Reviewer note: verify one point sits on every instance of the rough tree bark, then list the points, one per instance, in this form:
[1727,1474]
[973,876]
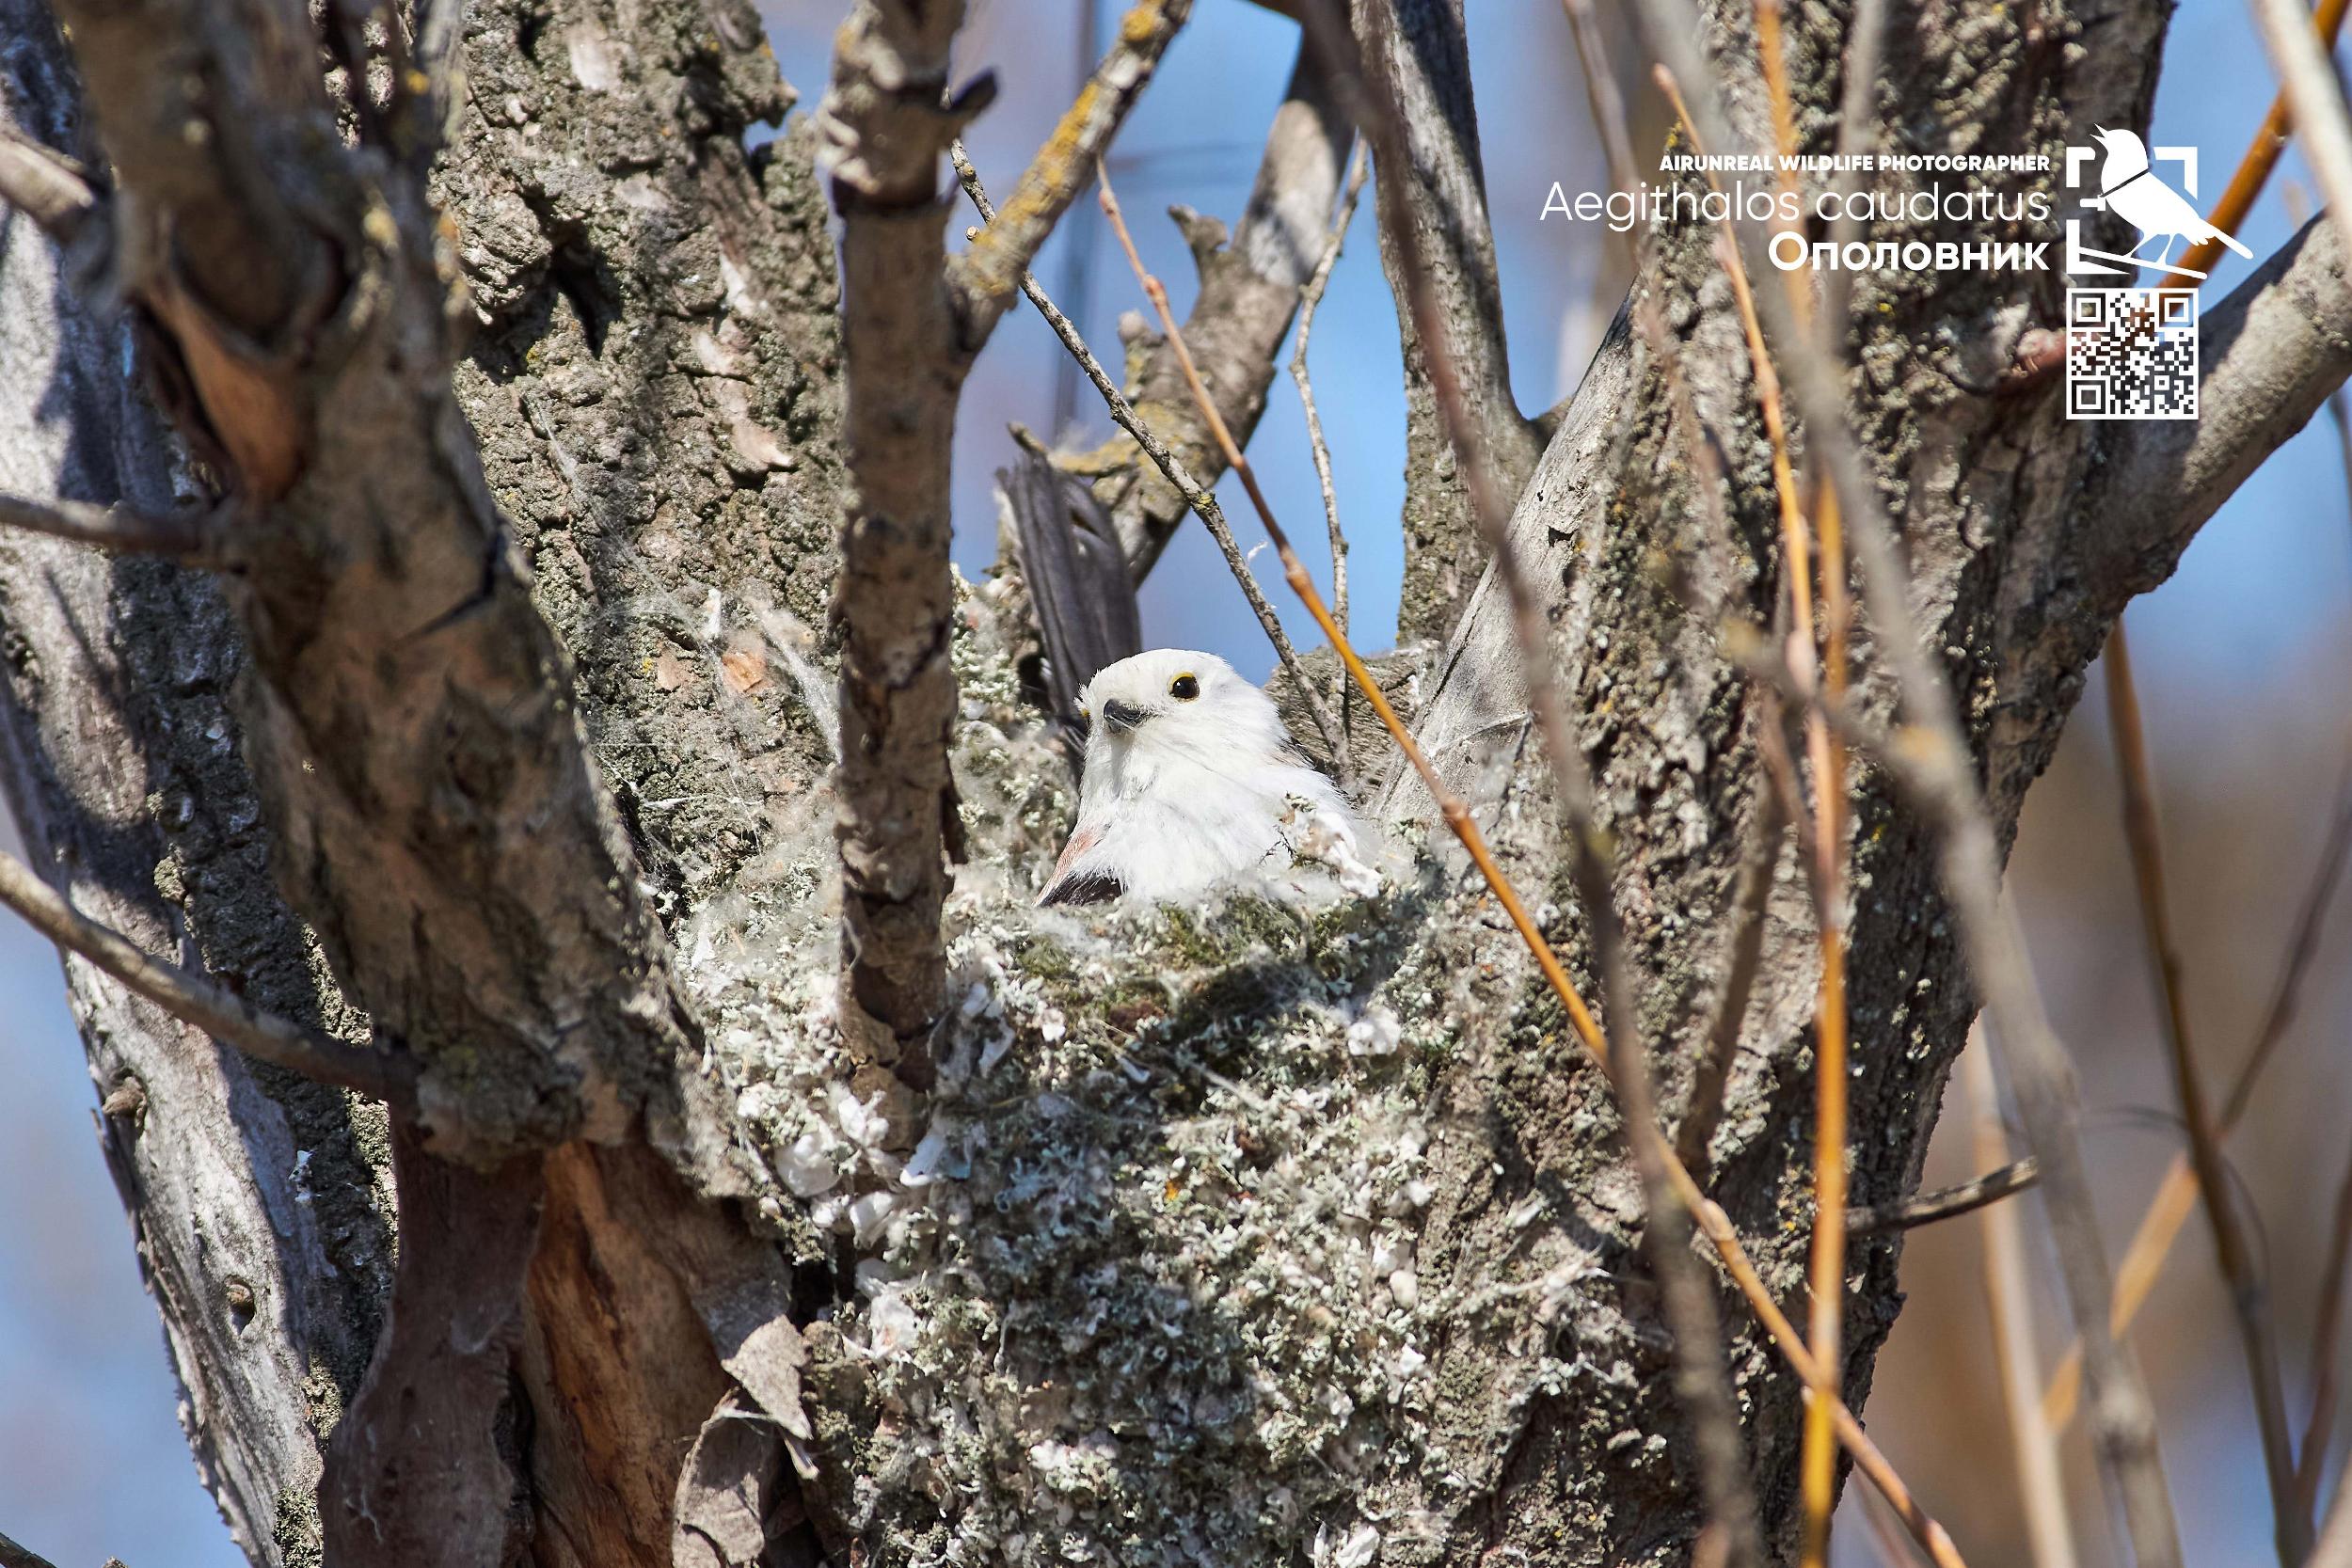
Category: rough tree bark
[1297,1226]
[1416,53]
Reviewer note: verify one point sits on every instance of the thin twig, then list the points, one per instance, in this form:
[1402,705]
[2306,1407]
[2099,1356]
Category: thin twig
[1312,296]
[2319,1430]
[1701,1381]
[191,537]
[2009,1302]
[1204,505]
[2327,1331]
[1945,1203]
[2042,1075]
[2152,1241]
[193,999]
[987,274]
[1857,127]
[1784,802]
[1712,1079]
[2315,99]
[2248,1294]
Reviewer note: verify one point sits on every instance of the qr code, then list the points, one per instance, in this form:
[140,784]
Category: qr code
[2131,354]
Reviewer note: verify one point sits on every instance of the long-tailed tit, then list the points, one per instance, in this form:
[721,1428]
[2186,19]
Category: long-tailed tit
[1190,777]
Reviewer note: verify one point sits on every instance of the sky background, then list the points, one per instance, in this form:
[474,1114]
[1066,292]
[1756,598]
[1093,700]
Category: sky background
[2243,661]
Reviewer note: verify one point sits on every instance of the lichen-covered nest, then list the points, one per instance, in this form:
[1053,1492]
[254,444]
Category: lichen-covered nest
[1155,1229]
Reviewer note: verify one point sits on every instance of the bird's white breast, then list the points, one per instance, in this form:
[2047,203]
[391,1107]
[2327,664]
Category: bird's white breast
[1173,818]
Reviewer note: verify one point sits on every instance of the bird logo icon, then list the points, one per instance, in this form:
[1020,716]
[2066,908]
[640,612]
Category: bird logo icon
[2132,190]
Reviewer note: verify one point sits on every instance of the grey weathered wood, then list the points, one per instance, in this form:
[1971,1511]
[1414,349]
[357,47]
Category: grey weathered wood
[260,1203]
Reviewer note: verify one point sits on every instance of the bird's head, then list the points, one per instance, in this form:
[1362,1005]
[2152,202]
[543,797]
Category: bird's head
[1173,695]
[2125,144]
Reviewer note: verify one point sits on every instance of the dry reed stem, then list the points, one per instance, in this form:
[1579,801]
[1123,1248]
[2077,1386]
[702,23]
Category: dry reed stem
[2009,1303]
[2160,1226]
[2253,169]
[2248,1293]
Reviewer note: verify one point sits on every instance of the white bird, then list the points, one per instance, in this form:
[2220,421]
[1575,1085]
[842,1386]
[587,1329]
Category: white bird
[2155,209]
[1190,777]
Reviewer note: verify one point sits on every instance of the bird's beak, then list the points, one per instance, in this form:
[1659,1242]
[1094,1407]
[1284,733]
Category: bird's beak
[1121,718]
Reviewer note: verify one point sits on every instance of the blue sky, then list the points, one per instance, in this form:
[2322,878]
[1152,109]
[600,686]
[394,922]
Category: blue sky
[91,1462]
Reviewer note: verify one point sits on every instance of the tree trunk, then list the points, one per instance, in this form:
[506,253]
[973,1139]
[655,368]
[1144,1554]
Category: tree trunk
[1300,1225]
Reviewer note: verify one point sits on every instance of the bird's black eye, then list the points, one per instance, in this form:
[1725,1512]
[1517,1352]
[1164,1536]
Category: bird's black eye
[1184,687]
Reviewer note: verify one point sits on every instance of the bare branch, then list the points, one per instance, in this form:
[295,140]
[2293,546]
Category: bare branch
[393,616]
[1248,292]
[221,1013]
[2008,1298]
[2249,1293]
[1711,1218]
[190,537]
[2272,352]
[986,275]
[2255,164]
[1945,1203]
[1858,120]
[1712,1079]
[14,1556]
[1671,1196]
[1324,722]
[2307,83]
[1317,447]
[905,358]
[1223,534]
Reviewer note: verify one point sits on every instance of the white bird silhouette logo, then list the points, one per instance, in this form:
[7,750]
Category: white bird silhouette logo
[2129,189]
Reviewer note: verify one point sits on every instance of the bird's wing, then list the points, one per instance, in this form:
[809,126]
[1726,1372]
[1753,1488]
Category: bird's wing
[1077,580]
